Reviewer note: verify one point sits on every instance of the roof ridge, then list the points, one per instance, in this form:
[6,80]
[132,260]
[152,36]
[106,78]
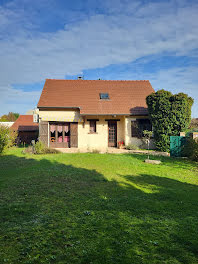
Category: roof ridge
[26,115]
[98,80]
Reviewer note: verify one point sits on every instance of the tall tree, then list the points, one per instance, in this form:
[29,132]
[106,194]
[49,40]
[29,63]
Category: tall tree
[10,117]
[170,114]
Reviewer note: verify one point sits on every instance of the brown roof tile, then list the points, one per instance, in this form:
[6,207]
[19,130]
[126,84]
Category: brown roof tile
[25,123]
[126,97]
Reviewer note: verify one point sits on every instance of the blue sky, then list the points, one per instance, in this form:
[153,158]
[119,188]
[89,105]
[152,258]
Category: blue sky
[111,39]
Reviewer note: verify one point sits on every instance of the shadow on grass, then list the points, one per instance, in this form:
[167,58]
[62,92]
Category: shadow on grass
[183,163]
[56,213]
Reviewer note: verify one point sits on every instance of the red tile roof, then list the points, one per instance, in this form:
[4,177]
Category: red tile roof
[126,97]
[25,123]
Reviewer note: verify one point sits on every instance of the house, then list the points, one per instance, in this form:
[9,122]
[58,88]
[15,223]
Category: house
[93,114]
[6,124]
[26,128]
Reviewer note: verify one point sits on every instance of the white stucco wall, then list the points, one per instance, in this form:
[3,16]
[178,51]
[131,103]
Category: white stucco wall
[7,124]
[98,140]
[58,115]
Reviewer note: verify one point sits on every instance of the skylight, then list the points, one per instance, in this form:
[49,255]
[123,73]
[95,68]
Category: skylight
[104,96]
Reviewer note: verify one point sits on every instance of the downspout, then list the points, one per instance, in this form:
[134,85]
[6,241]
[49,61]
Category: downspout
[48,134]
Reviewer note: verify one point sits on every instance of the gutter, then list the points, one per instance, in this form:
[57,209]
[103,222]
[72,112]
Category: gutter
[70,107]
[77,107]
[115,114]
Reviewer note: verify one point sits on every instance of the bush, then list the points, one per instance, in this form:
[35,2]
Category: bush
[29,150]
[132,147]
[40,148]
[12,138]
[191,149]
[7,138]
[170,114]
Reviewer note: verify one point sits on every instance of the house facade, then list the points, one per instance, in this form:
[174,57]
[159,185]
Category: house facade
[93,114]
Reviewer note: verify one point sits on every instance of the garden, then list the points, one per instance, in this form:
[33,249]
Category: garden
[97,208]
[102,208]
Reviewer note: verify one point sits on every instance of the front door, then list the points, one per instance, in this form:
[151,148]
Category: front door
[112,126]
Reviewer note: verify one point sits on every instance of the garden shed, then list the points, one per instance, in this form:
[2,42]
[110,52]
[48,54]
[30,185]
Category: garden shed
[26,128]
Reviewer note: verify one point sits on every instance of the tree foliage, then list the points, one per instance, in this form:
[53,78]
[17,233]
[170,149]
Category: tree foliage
[191,149]
[170,114]
[10,117]
[194,124]
[7,138]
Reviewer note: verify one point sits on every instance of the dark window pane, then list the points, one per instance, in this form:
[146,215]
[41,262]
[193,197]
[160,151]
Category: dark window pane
[138,126]
[134,129]
[60,136]
[92,126]
[53,136]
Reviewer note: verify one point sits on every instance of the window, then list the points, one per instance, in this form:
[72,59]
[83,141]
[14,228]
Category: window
[52,133]
[138,126]
[104,96]
[66,129]
[92,126]
[59,132]
[134,129]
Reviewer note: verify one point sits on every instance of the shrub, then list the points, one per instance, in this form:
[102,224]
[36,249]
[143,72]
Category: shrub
[190,149]
[40,148]
[7,138]
[170,114]
[29,150]
[132,147]
[12,138]
[194,124]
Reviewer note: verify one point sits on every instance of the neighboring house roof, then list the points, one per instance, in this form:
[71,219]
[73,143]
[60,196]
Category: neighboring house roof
[125,97]
[25,123]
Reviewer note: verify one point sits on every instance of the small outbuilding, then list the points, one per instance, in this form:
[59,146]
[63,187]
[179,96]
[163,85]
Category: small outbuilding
[26,128]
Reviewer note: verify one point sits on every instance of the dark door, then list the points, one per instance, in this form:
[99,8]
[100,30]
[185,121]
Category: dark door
[73,135]
[112,126]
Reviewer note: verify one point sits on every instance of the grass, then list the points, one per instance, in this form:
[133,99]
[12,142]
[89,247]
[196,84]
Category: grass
[93,208]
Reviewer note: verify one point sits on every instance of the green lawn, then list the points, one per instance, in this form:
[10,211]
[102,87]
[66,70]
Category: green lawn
[97,208]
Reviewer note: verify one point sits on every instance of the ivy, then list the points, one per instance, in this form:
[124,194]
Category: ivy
[170,114]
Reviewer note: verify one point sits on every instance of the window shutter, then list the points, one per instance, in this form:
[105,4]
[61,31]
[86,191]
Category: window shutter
[73,135]
[43,132]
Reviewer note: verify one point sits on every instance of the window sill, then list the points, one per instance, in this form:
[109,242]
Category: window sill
[93,133]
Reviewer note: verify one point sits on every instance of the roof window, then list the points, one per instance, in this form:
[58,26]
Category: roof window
[104,96]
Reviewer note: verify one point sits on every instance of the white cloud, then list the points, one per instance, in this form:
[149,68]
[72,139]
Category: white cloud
[17,100]
[98,41]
